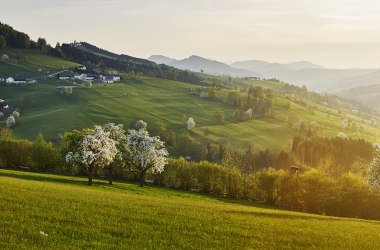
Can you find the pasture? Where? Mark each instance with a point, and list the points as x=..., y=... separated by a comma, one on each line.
x=57, y=212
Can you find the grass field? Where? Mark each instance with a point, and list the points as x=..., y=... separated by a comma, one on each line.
x=124, y=216
x=28, y=62
x=44, y=109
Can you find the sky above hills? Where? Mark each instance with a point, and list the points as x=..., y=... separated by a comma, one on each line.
x=333, y=33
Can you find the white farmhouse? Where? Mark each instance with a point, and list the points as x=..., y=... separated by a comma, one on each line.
x=107, y=79
x=116, y=78
x=10, y=80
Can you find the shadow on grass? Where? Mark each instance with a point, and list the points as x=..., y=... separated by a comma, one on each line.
x=299, y=216
x=46, y=178
x=73, y=180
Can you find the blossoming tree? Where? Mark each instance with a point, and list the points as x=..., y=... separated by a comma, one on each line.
x=10, y=122
x=95, y=150
x=16, y=114
x=190, y=123
x=145, y=154
x=116, y=133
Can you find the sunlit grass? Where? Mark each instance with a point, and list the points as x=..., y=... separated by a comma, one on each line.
x=126, y=216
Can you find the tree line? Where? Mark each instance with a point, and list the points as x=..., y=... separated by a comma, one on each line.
x=16, y=39
x=110, y=150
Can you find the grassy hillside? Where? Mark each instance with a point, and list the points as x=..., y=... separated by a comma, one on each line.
x=126, y=216
x=44, y=109
x=27, y=63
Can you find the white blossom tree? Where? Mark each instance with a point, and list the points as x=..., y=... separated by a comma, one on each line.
x=190, y=123
x=16, y=114
x=87, y=84
x=95, y=150
x=68, y=90
x=373, y=171
x=140, y=124
x=145, y=154
x=10, y=122
x=116, y=133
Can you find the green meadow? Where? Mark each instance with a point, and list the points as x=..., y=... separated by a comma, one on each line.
x=30, y=63
x=45, y=110
x=57, y=212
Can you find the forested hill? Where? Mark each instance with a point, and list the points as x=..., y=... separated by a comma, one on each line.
x=129, y=64
x=96, y=50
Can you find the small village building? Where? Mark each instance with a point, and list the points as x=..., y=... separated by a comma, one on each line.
x=65, y=75
x=16, y=80
x=116, y=78
x=78, y=76
x=107, y=79
x=20, y=80
x=90, y=77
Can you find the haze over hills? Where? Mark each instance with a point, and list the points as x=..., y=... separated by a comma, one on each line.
x=314, y=76
x=197, y=63
x=368, y=95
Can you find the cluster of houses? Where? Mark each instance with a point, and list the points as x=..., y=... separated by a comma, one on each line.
x=107, y=78
x=16, y=80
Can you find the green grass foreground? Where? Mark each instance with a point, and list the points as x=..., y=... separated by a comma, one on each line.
x=124, y=216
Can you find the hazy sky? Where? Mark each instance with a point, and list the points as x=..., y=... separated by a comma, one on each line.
x=333, y=33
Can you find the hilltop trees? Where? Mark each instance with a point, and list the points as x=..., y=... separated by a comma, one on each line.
x=41, y=43
x=3, y=42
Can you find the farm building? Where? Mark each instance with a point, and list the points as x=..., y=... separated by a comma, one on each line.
x=16, y=80
x=107, y=79
x=110, y=78
x=65, y=75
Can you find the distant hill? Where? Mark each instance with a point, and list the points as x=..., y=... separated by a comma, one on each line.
x=159, y=59
x=370, y=77
x=197, y=63
x=266, y=67
x=314, y=76
x=368, y=95
x=322, y=80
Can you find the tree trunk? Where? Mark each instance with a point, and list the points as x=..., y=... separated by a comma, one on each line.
x=142, y=179
x=110, y=170
x=90, y=175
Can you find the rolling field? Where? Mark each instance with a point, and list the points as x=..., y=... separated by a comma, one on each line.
x=57, y=212
x=28, y=62
x=44, y=109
